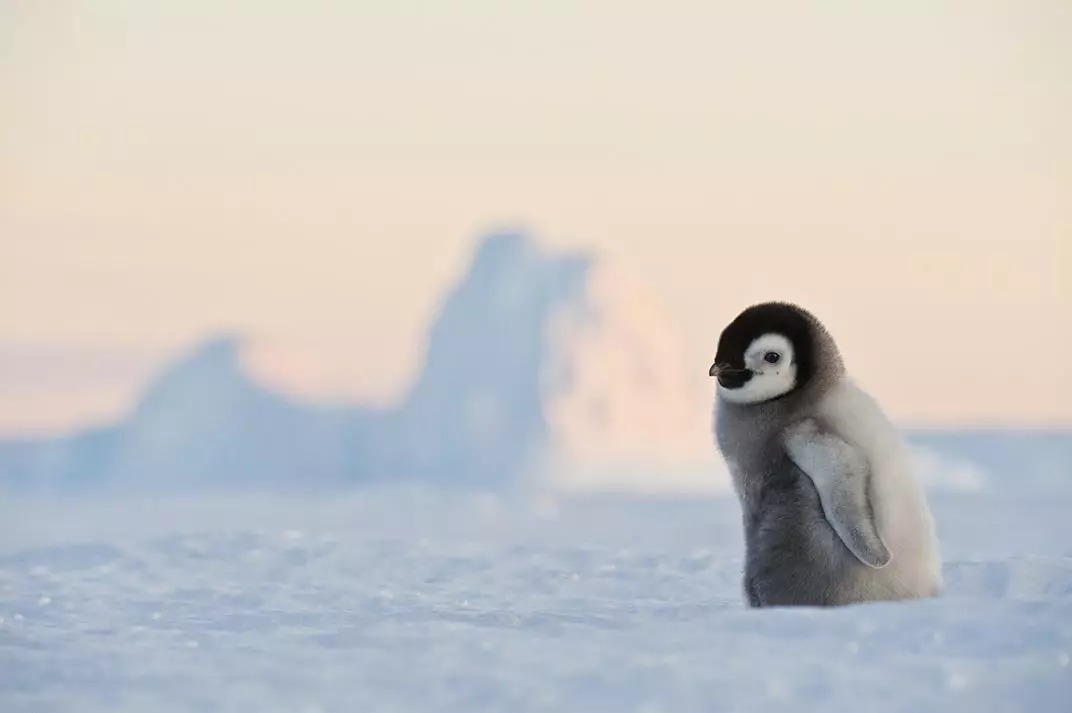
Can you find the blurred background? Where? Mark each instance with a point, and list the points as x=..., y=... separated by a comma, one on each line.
x=354, y=355
x=487, y=242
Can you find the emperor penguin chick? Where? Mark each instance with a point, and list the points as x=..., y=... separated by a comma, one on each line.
x=832, y=511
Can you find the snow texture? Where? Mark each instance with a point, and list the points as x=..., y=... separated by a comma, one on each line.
x=413, y=600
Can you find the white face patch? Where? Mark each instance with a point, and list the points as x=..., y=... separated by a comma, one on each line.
x=774, y=371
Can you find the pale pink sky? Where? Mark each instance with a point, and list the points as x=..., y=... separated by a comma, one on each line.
x=316, y=173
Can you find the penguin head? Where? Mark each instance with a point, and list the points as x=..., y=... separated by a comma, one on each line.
x=768, y=351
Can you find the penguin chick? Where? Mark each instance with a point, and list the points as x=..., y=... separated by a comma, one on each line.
x=832, y=511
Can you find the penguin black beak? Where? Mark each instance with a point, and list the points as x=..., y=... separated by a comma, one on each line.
x=724, y=368
x=730, y=377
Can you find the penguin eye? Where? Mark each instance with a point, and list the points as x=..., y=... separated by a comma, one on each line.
x=772, y=357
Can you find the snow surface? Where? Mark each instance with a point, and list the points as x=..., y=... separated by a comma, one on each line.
x=413, y=600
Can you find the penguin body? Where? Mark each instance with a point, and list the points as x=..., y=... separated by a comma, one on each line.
x=832, y=511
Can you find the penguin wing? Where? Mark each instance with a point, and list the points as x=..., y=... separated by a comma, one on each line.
x=842, y=476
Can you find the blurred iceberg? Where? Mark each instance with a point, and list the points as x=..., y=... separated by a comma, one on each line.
x=541, y=369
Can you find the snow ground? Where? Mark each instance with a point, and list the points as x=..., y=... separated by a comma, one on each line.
x=409, y=601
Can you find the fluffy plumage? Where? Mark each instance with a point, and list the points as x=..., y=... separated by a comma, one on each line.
x=832, y=511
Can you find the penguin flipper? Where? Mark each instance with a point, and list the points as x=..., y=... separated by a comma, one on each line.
x=842, y=476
